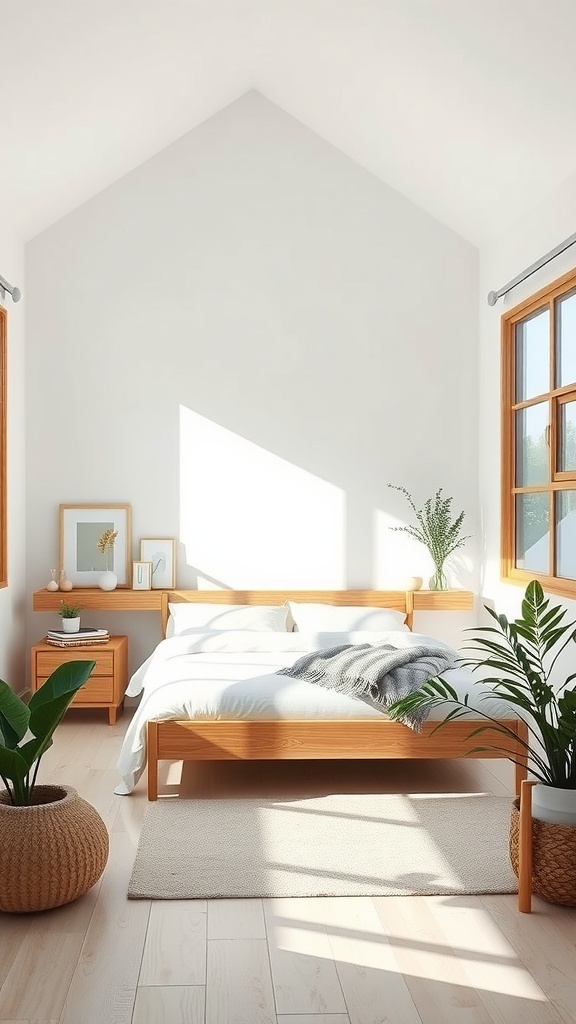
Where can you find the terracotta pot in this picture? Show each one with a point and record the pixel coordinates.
(51, 852)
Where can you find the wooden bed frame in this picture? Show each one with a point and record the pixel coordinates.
(192, 740)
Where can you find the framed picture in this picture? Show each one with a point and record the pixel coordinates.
(141, 575)
(81, 527)
(161, 552)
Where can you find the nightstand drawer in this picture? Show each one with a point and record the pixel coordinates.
(94, 691)
(105, 686)
(47, 662)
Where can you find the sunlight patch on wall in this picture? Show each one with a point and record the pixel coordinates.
(251, 519)
(396, 555)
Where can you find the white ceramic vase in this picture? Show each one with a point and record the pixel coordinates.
(107, 580)
(413, 583)
(71, 625)
(557, 806)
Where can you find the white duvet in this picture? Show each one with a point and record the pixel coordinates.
(231, 674)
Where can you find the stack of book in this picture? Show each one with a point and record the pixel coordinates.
(81, 638)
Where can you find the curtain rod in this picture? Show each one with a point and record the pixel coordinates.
(494, 296)
(6, 287)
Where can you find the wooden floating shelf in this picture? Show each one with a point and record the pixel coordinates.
(443, 600)
(121, 600)
(125, 600)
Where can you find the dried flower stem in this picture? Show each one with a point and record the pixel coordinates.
(106, 543)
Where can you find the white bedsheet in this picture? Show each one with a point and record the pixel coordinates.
(231, 675)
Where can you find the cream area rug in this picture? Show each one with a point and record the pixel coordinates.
(336, 845)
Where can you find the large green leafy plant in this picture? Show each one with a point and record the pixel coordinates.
(20, 753)
(522, 656)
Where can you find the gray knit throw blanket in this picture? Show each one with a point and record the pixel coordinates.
(378, 675)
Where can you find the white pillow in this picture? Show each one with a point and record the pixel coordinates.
(309, 618)
(265, 618)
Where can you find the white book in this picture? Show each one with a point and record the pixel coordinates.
(84, 634)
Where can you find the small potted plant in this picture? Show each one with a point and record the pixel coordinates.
(436, 529)
(70, 615)
(107, 580)
(53, 844)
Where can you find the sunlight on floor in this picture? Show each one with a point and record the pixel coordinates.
(355, 934)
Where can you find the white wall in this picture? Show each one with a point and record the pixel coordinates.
(509, 254)
(14, 598)
(246, 338)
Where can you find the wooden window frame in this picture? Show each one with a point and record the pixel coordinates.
(558, 481)
(3, 469)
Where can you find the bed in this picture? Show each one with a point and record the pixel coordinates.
(213, 694)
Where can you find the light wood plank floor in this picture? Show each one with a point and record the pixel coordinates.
(391, 960)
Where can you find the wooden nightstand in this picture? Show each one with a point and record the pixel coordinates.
(105, 687)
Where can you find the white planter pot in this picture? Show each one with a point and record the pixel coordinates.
(107, 580)
(557, 806)
(71, 625)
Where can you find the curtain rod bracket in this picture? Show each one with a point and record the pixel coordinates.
(11, 289)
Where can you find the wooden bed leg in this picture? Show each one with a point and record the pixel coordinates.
(152, 750)
(525, 849)
(521, 770)
(520, 776)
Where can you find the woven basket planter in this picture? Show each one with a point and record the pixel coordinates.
(553, 858)
(51, 852)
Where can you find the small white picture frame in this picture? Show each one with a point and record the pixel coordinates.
(141, 575)
(161, 551)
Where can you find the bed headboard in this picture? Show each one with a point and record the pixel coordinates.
(402, 601)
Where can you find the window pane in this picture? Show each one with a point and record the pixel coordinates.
(532, 465)
(533, 356)
(566, 341)
(566, 534)
(533, 531)
(567, 437)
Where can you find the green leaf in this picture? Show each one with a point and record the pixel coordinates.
(33, 749)
(491, 612)
(527, 632)
(567, 708)
(438, 687)
(534, 596)
(569, 639)
(67, 679)
(48, 704)
(14, 716)
(12, 765)
(552, 617)
(552, 639)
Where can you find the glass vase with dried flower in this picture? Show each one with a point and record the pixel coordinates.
(436, 529)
